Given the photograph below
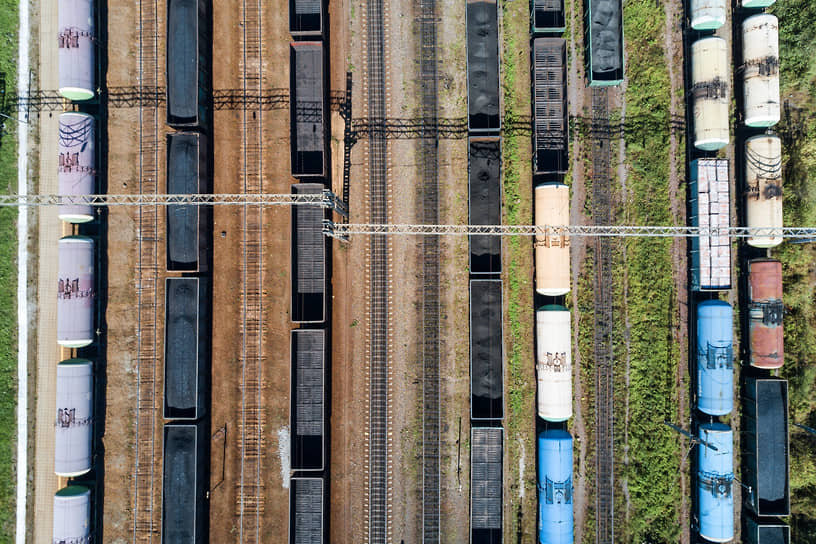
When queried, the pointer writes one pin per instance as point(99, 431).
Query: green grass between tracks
point(517, 174)
point(797, 45)
point(654, 459)
point(8, 279)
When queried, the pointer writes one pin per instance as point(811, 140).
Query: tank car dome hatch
point(552, 251)
point(760, 70)
point(76, 172)
point(554, 363)
point(715, 480)
point(555, 489)
point(707, 14)
point(76, 44)
point(715, 358)
point(763, 188)
point(75, 292)
point(710, 88)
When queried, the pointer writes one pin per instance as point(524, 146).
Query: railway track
point(604, 402)
point(430, 276)
point(250, 496)
point(378, 444)
point(145, 523)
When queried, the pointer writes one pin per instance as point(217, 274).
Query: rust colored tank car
point(765, 313)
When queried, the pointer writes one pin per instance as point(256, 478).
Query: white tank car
point(554, 363)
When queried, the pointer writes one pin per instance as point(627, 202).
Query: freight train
point(310, 286)
point(551, 198)
point(759, 173)
point(78, 270)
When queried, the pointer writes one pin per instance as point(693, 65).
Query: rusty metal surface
point(765, 280)
point(765, 314)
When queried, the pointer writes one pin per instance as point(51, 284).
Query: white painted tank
point(760, 58)
point(554, 363)
point(709, 77)
point(74, 424)
point(76, 172)
point(552, 253)
point(763, 182)
point(757, 3)
point(707, 14)
point(75, 292)
point(77, 49)
point(72, 514)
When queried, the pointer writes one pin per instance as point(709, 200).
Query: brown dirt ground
point(227, 256)
point(579, 100)
point(674, 58)
point(123, 168)
point(349, 364)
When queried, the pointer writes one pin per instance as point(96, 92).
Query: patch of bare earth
point(673, 43)
point(579, 100)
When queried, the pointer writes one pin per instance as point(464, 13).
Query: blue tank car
point(715, 358)
point(715, 476)
point(555, 487)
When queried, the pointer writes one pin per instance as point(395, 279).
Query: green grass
point(8, 279)
point(797, 41)
point(654, 459)
point(517, 174)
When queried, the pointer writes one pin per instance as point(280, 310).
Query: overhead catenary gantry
point(328, 199)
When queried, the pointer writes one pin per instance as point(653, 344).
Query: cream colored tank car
point(709, 75)
point(763, 182)
point(760, 50)
point(552, 253)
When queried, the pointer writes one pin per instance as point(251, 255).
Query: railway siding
point(146, 523)
point(378, 443)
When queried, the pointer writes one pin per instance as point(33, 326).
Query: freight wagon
point(715, 481)
point(552, 250)
point(715, 358)
point(763, 189)
point(187, 64)
point(76, 173)
point(555, 513)
point(604, 37)
point(765, 313)
point(551, 130)
point(554, 363)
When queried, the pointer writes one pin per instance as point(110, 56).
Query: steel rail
point(378, 442)
point(250, 498)
point(145, 526)
point(429, 212)
point(603, 296)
